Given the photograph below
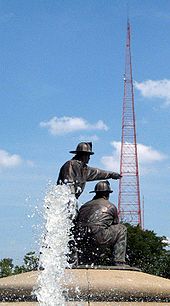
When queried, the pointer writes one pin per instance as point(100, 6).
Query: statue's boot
point(121, 265)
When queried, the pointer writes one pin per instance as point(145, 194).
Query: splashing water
point(60, 209)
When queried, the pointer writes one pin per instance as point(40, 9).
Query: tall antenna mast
point(143, 211)
point(129, 193)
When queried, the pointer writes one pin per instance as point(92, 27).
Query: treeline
point(30, 263)
point(145, 250)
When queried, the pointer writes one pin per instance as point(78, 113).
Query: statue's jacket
point(77, 172)
point(99, 217)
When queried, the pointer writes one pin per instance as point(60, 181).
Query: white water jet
point(59, 211)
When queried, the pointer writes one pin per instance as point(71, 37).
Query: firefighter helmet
point(85, 147)
point(102, 186)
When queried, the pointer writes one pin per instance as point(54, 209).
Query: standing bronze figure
point(77, 171)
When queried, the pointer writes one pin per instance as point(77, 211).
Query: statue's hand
point(115, 176)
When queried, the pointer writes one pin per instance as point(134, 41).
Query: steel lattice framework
point(129, 193)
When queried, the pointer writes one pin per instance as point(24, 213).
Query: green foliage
point(19, 269)
point(147, 251)
point(30, 263)
point(6, 267)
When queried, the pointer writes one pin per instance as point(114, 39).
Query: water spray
point(60, 206)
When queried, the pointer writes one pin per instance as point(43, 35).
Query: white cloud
point(8, 160)
point(149, 155)
point(64, 125)
point(155, 89)
point(146, 156)
point(112, 162)
point(167, 240)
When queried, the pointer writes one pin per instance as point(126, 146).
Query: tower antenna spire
point(129, 192)
point(127, 9)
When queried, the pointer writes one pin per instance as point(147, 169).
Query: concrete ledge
point(90, 304)
point(18, 286)
point(112, 285)
point(93, 286)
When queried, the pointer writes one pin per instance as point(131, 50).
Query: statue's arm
point(98, 174)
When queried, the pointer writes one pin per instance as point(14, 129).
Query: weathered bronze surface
point(98, 228)
point(77, 171)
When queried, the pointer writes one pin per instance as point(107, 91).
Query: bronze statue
point(97, 225)
point(77, 171)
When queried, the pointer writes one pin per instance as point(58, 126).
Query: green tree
point(147, 251)
point(19, 269)
point(6, 267)
point(31, 261)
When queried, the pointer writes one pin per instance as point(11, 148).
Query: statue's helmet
point(85, 147)
point(102, 186)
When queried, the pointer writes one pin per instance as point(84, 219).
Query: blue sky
point(61, 79)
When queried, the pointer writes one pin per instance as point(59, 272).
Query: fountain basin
point(90, 304)
point(92, 287)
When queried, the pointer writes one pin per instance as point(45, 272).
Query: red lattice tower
point(129, 194)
